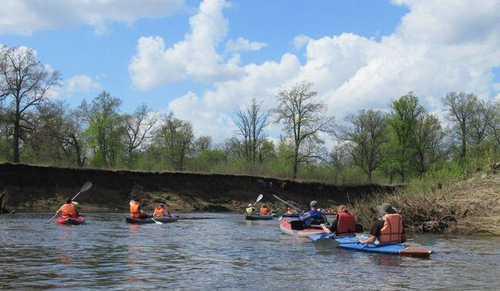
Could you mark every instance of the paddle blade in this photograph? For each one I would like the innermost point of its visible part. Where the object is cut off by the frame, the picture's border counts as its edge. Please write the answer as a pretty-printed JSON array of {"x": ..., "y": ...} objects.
[
  {"x": 259, "y": 198},
  {"x": 86, "y": 186}
]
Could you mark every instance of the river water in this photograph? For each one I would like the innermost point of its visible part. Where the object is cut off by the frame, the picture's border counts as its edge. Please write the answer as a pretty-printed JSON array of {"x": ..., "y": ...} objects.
[{"x": 223, "y": 253}]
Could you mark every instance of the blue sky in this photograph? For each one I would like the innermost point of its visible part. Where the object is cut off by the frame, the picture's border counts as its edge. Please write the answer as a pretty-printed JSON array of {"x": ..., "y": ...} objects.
[
  {"x": 358, "y": 54},
  {"x": 80, "y": 50}
]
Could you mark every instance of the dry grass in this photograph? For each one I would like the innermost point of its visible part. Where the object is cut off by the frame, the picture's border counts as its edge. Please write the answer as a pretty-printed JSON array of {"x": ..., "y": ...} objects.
[{"x": 465, "y": 207}]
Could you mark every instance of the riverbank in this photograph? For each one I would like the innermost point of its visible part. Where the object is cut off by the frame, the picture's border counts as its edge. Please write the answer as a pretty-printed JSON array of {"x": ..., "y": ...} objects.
[
  {"x": 36, "y": 188},
  {"x": 470, "y": 206}
]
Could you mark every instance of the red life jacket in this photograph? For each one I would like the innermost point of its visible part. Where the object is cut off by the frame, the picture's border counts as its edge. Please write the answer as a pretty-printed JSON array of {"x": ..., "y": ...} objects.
[
  {"x": 135, "y": 209},
  {"x": 346, "y": 223},
  {"x": 69, "y": 210},
  {"x": 392, "y": 231}
]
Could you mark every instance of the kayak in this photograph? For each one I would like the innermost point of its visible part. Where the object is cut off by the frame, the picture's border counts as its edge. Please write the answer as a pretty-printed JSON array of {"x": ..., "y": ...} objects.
[
  {"x": 70, "y": 220},
  {"x": 352, "y": 243},
  {"x": 150, "y": 220},
  {"x": 288, "y": 226},
  {"x": 258, "y": 217}
]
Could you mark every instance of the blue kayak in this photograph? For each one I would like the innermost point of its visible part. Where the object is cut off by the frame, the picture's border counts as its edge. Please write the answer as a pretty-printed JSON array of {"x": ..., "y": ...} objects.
[{"x": 352, "y": 243}]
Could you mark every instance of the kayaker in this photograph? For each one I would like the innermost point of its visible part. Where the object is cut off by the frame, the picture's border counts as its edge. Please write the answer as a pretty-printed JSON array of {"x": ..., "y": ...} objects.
[
  {"x": 250, "y": 210},
  {"x": 313, "y": 216},
  {"x": 68, "y": 210},
  {"x": 161, "y": 211},
  {"x": 265, "y": 211},
  {"x": 388, "y": 229},
  {"x": 290, "y": 211},
  {"x": 135, "y": 209},
  {"x": 344, "y": 222}
]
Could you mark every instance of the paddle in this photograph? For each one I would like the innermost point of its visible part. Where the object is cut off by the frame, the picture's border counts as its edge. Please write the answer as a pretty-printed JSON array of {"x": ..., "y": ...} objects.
[
  {"x": 259, "y": 198},
  {"x": 84, "y": 188},
  {"x": 287, "y": 203},
  {"x": 156, "y": 221}
]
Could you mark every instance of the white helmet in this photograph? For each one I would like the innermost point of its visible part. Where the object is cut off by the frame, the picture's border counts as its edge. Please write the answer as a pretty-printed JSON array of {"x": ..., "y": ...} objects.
[{"x": 313, "y": 203}]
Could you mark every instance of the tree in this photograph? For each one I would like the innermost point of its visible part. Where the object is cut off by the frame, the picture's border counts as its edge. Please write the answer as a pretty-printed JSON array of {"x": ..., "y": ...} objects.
[
  {"x": 73, "y": 136},
  {"x": 480, "y": 122},
  {"x": 106, "y": 129},
  {"x": 176, "y": 137},
  {"x": 367, "y": 135},
  {"x": 251, "y": 123},
  {"x": 403, "y": 122},
  {"x": 25, "y": 82},
  {"x": 340, "y": 159},
  {"x": 461, "y": 107},
  {"x": 303, "y": 120},
  {"x": 139, "y": 126},
  {"x": 428, "y": 137}
]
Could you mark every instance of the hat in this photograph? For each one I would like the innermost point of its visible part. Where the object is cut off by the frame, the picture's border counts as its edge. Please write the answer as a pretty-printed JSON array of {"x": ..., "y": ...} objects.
[
  {"x": 250, "y": 205},
  {"x": 386, "y": 208},
  {"x": 313, "y": 203},
  {"x": 74, "y": 202}
]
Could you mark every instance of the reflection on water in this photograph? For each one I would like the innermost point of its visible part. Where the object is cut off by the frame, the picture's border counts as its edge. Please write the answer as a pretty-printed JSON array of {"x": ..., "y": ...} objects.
[{"x": 223, "y": 253}]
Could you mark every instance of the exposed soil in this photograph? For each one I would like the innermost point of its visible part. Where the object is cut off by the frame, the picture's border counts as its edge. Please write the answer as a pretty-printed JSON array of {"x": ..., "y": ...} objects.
[{"x": 41, "y": 188}]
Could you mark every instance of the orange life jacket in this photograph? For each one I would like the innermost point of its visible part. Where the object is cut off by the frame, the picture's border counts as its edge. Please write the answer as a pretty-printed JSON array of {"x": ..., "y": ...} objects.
[
  {"x": 346, "y": 223},
  {"x": 265, "y": 211},
  {"x": 68, "y": 210},
  {"x": 392, "y": 231},
  {"x": 135, "y": 209},
  {"x": 160, "y": 212}
]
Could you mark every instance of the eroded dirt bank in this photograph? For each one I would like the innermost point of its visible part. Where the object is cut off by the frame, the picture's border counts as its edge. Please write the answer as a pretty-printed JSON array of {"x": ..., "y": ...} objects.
[{"x": 41, "y": 188}]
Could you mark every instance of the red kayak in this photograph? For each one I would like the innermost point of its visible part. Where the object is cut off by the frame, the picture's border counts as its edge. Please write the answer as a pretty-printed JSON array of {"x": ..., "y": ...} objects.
[
  {"x": 71, "y": 220},
  {"x": 293, "y": 226}
]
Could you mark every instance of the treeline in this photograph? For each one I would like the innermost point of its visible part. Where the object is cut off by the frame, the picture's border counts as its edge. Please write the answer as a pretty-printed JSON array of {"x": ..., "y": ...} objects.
[{"x": 395, "y": 145}]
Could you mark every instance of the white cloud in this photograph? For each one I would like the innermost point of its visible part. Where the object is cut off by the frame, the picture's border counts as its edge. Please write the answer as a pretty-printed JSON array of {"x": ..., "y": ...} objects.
[
  {"x": 82, "y": 84},
  {"x": 439, "y": 46},
  {"x": 195, "y": 57},
  {"x": 74, "y": 86},
  {"x": 243, "y": 45},
  {"x": 27, "y": 16}
]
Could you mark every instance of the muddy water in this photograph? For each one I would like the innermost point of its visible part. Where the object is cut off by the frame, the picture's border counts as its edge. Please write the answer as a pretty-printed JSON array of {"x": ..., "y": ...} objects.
[{"x": 223, "y": 253}]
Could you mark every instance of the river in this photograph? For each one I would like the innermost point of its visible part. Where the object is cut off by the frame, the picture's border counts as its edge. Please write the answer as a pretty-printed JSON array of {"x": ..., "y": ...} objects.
[{"x": 224, "y": 253}]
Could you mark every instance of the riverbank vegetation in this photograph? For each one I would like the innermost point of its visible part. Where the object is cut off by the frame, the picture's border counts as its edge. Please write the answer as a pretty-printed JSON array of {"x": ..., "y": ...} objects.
[{"x": 384, "y": 146}]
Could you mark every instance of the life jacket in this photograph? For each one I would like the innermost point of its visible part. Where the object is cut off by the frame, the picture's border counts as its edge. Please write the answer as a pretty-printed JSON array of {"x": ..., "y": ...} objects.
[
  {"x": 392, "y": 231},
  {"x": 160, "y": 212},
  {"x": 346, "y": 223},
  {"x": 250, "y": 210},
  {"x": 265, "y": 211},
  {"x": 135, "y": 209},
  {"x": 69, "y": 210}
]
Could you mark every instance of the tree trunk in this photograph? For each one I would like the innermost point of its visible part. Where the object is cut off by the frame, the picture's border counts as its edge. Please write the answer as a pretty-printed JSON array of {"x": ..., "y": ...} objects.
[
  {"x": 295, "y": 162},
  {"x": 17, "y": 136}
]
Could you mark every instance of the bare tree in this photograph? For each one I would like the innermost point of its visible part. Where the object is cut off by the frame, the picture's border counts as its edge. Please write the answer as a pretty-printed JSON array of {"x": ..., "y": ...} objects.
[
  {"x": 480, "y": 122},
  {"x": 461, "y": 107},
  {"x": 139, "y": 127},
  {"x": 251, "y": 123},
  {"x": 367, "y": 135},
  {"x": 25, "y": 82},
  {"x": 302, "y": 119},
  {"x": 495, "y": 124}
]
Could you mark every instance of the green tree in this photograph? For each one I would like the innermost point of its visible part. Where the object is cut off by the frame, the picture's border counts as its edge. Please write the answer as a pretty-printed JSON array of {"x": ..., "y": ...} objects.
[
  {"x": 106, "y": 130},
  {"x": 175, "y": 137},
  {"x": 403, "y": 122},
  {"x": 428, "y": 138}
]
